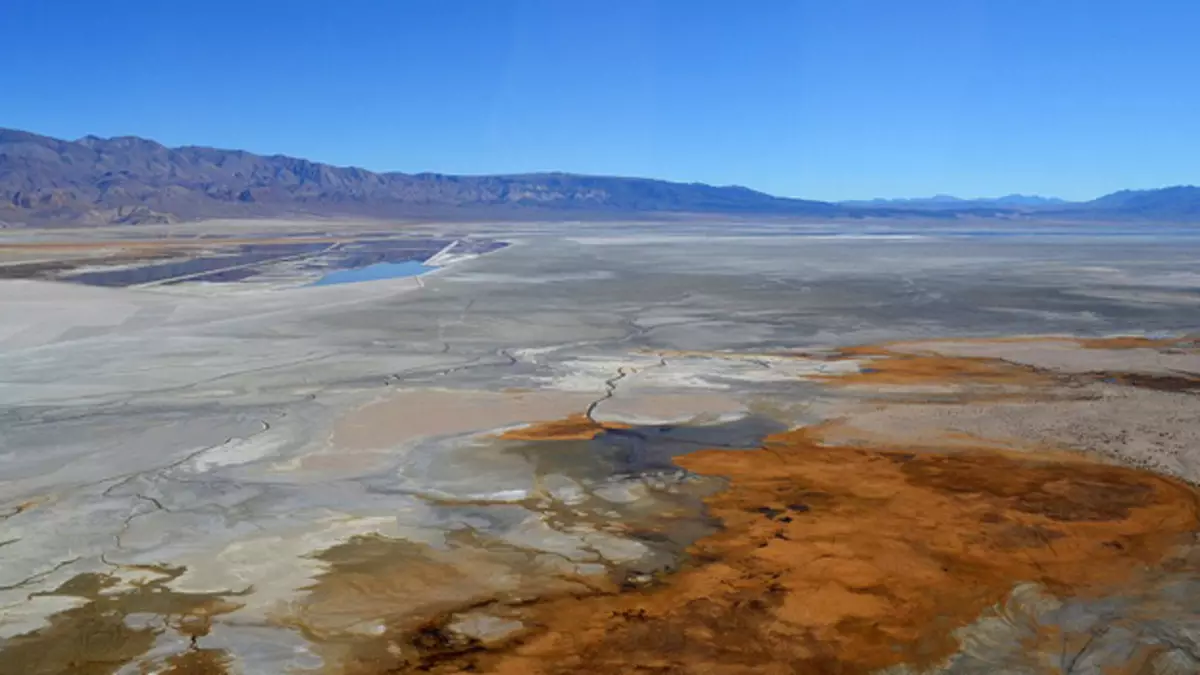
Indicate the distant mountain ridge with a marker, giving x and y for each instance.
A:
(1179, 201)
(130, 180)
(134, 180)
(949, 201)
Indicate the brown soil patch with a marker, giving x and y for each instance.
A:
(808, 355)
(576, 427)
(850, 559)
(96, 639)
(375, 608)
(194, 662)
(406, 415)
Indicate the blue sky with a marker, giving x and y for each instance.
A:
(829, 99)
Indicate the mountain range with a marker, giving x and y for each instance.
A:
(132, 180)
(952, 202)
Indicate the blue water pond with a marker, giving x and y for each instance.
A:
(408, 268)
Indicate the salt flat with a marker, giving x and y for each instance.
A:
(303, 470)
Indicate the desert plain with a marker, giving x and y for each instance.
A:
(685, 447)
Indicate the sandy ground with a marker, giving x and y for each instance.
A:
(336, 479)
(408, 415)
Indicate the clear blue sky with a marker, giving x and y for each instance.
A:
(827, 99)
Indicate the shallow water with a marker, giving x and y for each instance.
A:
(365, 259)
(376, 272)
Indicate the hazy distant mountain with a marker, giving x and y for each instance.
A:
(1181, 202)
(1178, 203)
(950, 202)
(130, 179)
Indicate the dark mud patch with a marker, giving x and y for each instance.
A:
(622, 449)
(52, 270)
(1186, 383)
(630, 484)
(247, 256)
(642, 449)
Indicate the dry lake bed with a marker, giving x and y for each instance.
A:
(357, 448)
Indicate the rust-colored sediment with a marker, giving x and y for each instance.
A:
(1135, 342)
(1108, 342)
(888, 368)
(995, 379)
(850, 559)
(577, 427)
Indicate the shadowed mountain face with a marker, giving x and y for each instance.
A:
(131, 180)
